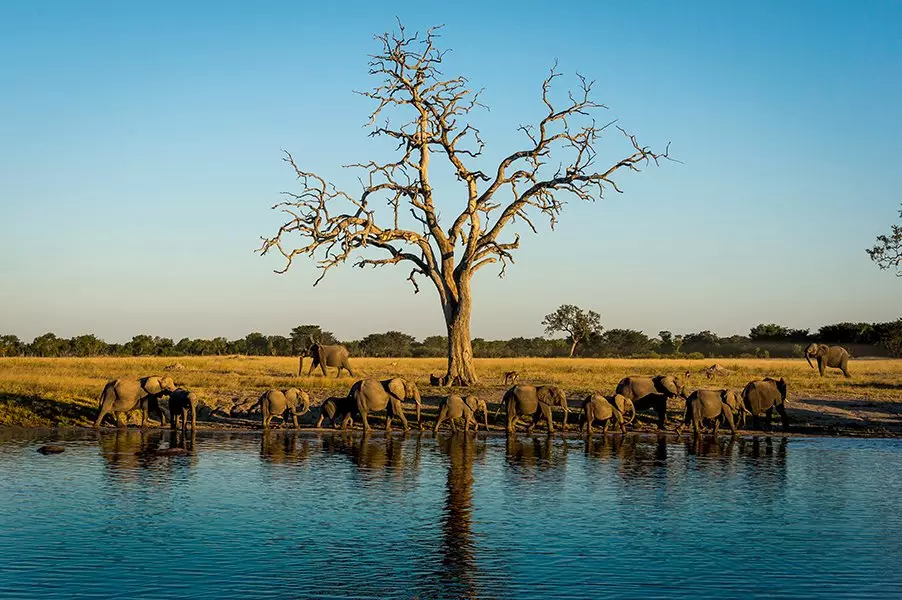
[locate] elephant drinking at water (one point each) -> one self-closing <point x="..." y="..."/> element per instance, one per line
<point x="765" y="395"/>
<point x="124" y="395"/>
<point x="651" y="393"/>
<point x="374" y="395"/>
<point x="597" y="407"/>
<point x="455" y="407"/>
<point x="527" y="400"/>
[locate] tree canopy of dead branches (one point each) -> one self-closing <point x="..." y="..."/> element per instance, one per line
<point x="394" y="214"/>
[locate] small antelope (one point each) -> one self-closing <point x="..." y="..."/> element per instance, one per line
<point x="511" y="377"/>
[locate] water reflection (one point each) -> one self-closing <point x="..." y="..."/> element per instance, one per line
<point x="280" y="447"/>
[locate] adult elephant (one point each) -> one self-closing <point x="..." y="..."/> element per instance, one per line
<point x="835" y="357"/>
<point x="765" y="395"/>
<point x="651" y="393"/>
<point x="124" y="395"/>
<point x="597" y="407"/>
<point x="323" y="356"/>
<point x="373" y="395"/>
<point x="283" y="403"/>
<point x="536" y="401"/>
<point x="455" y="407"/>
<point x="712" y="405"/>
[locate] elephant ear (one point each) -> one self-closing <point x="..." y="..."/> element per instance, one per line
<point x="152" y="385"/>
<point x="823" y="349"/>
<point x="542" y="394"/>
<point x="397" y="387"/>
<point x="667" y="383"/>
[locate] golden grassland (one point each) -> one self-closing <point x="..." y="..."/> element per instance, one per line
<point x="64" y="391"/>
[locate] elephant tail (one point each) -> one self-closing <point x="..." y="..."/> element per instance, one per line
<point x="504" y="401"/>
<point x="103" y="393"/>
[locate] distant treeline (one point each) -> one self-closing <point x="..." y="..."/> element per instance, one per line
<point x="763" y="341"/>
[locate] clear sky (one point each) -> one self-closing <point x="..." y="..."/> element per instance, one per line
<point x="141" y="151"/>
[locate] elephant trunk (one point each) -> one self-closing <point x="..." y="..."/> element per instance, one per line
<point x="418" y="400"/>
<point x="485" y="416"/>
<point x="629" y="404"/>
<point x="808" y="358"/>
<point x="566" y="412"/>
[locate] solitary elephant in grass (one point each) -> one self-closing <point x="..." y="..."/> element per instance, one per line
<point x="124" y="395"/>
<point x="338" y="409"/>
<point x="324" y="356"/>
<point x="373" y="395"/>
<point x="454" y="407"/>
<point x="181" y="403"/>
<point x="528" y="400"/>
<point x="765" y="395"/>
<point x="651" y="393"/>
<point x="835" y="357"/>
<point x="708" y="404"/>
<point x="283" y="403"/>
<point x="597" y="407"/>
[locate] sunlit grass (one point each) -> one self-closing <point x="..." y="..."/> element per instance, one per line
<point x="223" y="380"/>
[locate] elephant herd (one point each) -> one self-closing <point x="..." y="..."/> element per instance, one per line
<point x="527" y="402"/>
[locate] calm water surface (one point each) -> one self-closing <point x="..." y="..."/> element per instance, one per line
<point x="247" y="515"/>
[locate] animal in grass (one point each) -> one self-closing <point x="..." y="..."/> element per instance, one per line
<point x="535" y="401"/>
<point x="714" y="370"/>
<point x="435" y="380"/>
<point x="765" y="395"/>
<point x="182" y="403"/>
<point x="338" y="409"/>
<point x="120" y="396"/>
<point x="702" y="405"/>
<point x="651" y="393"/>
<point x="323" y="356"/>
<point x="511" y="377"/>
<point x="597" y="407"/>
<point x="455" y="407"/>
<point x="283" y="403"/>
<point x="835" y="357"/>
<point x="374" y="395"/>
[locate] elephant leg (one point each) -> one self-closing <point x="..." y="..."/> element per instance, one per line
<point x="728" y="417"/>
<point x="535" y="421"/>
<point x="103" y="412"/>
<point x="769" y="413"/>
<point x="398" y="408"/>
<point x="756" y="422"/>
<point x="294" y="419"/>
<point x="441" y="417"/>
<point x="716" y="425"/>
<point x="604" y="428"/>
<point x="844" y="365"/>
<point x="695" y="424"/>
<point x="782" y="410"/>
<point x="820" y="366"/>
<point x="319" y="422"/>
<point x="662" y="412"/>
<point x="546" y="411"/>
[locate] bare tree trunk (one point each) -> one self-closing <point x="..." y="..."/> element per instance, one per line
<point x="573" y="346"/>
<point x="460" y="349"/>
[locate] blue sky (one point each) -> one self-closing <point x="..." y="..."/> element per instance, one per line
<point x="142" y="150"/>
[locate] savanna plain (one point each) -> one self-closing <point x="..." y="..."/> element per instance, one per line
<point x="49" y="392"/>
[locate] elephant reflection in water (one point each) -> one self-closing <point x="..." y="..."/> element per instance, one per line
<point x="282" y="447"/>
<point x="535" y="451"/>
<point x="759" y="447"/>
<point x="128" y="451"/>
<point x="709" y="446"/>
<point x="375" y="453"/>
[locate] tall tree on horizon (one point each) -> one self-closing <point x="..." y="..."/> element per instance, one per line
<point x="888" y="251"/>
<point x="425" y="112"/>
<point x="579" y="324"/>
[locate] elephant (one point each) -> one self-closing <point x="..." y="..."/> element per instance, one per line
<point x="835" y="357"/>
<point x="388" y="394"/>
<point x="181" y="402"/>
<point x="338" y="409"/>
<point x="733" y="399"/>
<point x="597" y="407"/>
<point x="708" y="404"/>
<point x="124" y="395"/>
<point x="325" y="356"/>
<point x="510" y="377"/>
<point x="282" y="403"/>
<point x="765" y="395"/>
<point x="454" y="407"/>
<point x="524" y="400"/>
<point x="651" y="393"/>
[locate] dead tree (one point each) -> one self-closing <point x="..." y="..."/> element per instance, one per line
<point x="429" y="113"/>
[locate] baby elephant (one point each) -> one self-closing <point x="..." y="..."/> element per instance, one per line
<point x="454" y="407"/>
<point x="282" y="403"/>
<point x="181" y="402"/>
<point x="597" y="407"/>
<point x="511" y="377"/>
<point x="338" y="409"/>
<point x="708" y="404"/>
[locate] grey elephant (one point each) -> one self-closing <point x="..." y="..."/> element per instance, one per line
<point x="323" y="356"/>
<point x="372" y="395"/>
<point x="455" y="407"/>
<point x="651" y="393"/>
<point x="338" y="409"/>
<point x="123" y="395"/>
<point x="283" y="403"/>
<point x="597" y="407"/>
<point x="536" y="401"/>
<point x="733" y="399"/>
<point x="710" y="405"/>
<point x="765" y="395"/>
<point x="835" y="357"/>
<point x="181" y="404"/>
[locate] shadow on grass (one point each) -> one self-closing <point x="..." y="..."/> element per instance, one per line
<point x="35" y="411"/>
<point x="876" y="385"/>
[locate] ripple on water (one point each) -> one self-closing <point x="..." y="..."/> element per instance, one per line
<point x="288" y="514"/>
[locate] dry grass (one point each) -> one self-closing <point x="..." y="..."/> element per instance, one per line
<point x="64" y="391"/>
